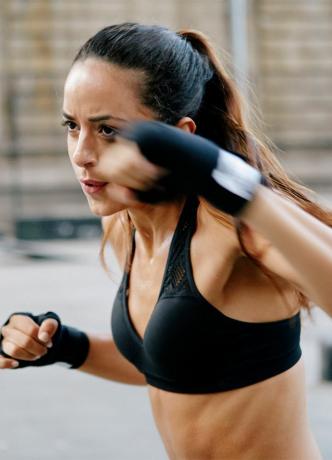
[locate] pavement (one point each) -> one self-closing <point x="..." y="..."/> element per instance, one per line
<point x="54" y="413"/>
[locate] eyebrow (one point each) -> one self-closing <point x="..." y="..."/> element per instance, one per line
<point x="96" y="118"/>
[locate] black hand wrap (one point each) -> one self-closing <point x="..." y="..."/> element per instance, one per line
<point x="70" y="345"/>
<point x="196" y="165"/>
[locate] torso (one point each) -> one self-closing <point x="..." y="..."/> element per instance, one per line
<point x="266" y="420"/>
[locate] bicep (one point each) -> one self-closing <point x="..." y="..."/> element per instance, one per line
<point x="275" y="262"/>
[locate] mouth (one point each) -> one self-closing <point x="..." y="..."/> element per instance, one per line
<point x="91" y="186"/>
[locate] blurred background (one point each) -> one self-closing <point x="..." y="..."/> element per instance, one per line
<point x="280" y="54"/>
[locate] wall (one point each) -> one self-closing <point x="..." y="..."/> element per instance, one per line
<point x="290" y="55"/>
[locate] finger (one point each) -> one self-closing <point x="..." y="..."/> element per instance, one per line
<point x="144" y="166"/>
<point x="143" y="174"/>
<point x="16" y="352"/>
<point x="27" y="343"/>
<point x="133" y="177"/>
<point x="24" y="324"/>
<point x="129" y="168"/>
<point x="6" y="363"/>
<point x="47" y="330"/>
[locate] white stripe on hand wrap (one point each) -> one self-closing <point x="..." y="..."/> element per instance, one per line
<point x="236" y="175"/>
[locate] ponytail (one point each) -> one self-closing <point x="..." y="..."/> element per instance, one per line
<point x="220" y="117"/>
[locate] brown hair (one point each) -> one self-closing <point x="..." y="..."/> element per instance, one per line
<point x="184" y="77"/>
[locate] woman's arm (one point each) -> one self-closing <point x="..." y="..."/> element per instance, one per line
<point x="104" y="360"/>
<point x="233" y="186"/>
<point x="301" y="250"/>
<point x="25" y="340"/>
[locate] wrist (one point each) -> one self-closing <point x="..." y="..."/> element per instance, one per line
<point x="73" y="347"/>
<point x="233" y="183"/>
<point x="237" y="176"/>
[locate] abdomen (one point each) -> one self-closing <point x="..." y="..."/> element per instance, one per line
<point x="267" y="420"/>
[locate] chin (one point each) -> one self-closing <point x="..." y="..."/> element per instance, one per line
<point x="102" y="209"/>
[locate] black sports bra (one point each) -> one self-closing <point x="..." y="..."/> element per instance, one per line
<point x="191" y="347"/>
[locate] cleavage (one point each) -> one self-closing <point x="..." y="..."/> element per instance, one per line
<point x="144" y="288"/>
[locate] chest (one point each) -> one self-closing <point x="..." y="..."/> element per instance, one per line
<point x="233" y="285"/>
<point x="151" y="279"/>
<point x="143" y="290"/>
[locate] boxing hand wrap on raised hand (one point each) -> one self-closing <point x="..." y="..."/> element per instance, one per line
<point x="196" y="165"/>
<point x="70" y="345"/>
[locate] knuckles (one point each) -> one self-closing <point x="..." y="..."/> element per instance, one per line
<point x="27" y="347"/>
<point x="126" y="156"/>
<point x="23" y="322"/>
<point x="26" y="343"/>
<point x="15" y="351"/>
<point x="9" y="348"/>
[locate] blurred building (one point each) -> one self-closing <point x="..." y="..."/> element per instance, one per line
<point x="288" y="64"/>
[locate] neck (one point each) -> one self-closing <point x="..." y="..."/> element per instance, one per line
<point x="155" y="225"/>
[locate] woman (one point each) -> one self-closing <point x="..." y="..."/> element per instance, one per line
<point x="219" y="250"/>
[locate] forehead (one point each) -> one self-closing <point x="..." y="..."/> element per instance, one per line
<point x="95" y="85"/>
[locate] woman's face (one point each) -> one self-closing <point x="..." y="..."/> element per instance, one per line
<point x="99" y="100"/>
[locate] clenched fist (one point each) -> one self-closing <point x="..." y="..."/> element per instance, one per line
<point x="40" y="340"/>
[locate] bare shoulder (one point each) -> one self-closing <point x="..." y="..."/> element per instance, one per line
<point x="221" y="228"/>
<point x="232" y="281"/>
<point x="217" y="228"/>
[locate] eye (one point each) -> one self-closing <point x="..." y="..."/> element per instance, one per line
<point x="70" y="125"/>
<point x="108" y="131"/>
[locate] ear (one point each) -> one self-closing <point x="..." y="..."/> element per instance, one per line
<point x="187" y="124"/>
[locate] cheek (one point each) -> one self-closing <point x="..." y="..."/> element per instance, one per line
<point x="75" y="168"/>
<point x="71" y="149"/>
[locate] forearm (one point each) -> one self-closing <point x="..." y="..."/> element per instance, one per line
<point x="302" y="239"/>
<point x="104" y="360"/>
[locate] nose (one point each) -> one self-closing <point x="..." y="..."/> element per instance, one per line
<point x="84" y="154"/>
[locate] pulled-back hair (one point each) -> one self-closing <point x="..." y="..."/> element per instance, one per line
<point x="182" y="76"/>
<point x="164" y="58"/>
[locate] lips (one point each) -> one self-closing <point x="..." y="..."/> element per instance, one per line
<point x="92" y="186"/>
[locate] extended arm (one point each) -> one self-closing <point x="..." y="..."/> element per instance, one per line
<point x="301" y="243"/>
<point x="40" y="340"/>
<point x="304" y="242"/>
